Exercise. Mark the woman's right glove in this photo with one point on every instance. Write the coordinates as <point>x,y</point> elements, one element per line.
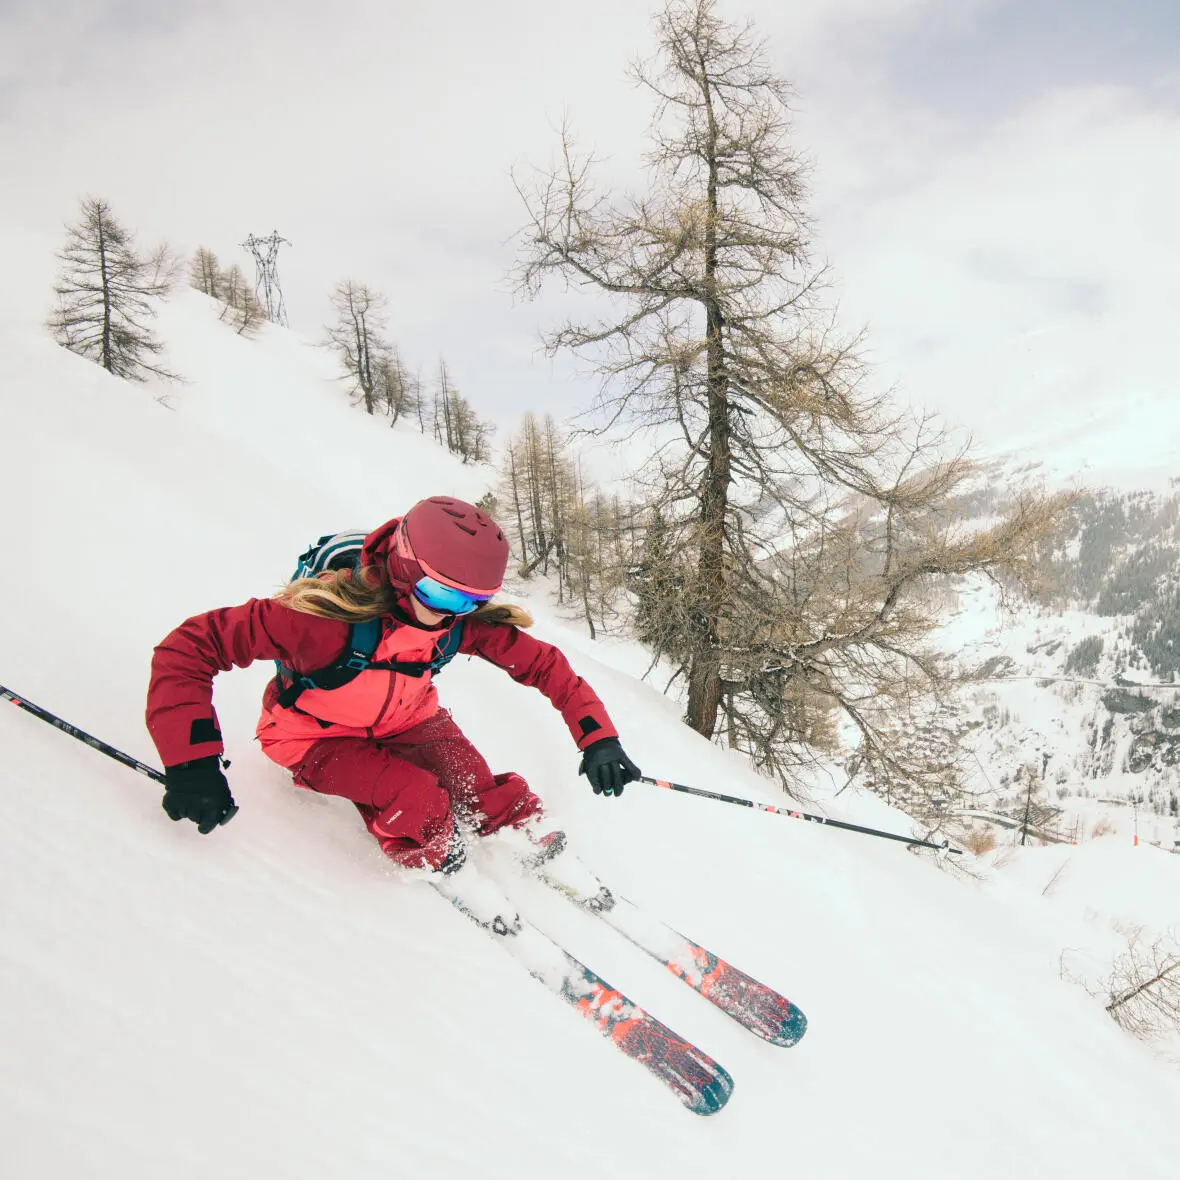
<point>197,790</point>
<point>607,767</point>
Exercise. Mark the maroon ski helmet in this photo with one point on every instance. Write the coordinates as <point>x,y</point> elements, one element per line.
<point>451,541</point>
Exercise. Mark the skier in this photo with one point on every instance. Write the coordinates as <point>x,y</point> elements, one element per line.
<point>379,738</point>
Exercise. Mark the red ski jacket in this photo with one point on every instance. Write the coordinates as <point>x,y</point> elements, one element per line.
<point>377,703</point>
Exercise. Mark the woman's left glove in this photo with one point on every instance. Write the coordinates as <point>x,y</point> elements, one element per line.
<point>607,767</point>
<point>197,790</point>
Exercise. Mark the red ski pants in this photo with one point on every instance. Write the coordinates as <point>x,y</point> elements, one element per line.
<point>408,786</point>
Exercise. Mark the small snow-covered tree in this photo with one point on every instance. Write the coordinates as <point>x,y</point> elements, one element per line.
<point>105,293</point>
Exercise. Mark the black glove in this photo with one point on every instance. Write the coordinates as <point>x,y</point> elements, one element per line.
<point>607,767</point>
<point>197,790</point>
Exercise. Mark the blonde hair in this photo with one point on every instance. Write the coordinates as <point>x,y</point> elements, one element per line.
<point>354,596</point>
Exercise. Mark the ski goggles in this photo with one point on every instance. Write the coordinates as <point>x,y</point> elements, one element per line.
<point>437,596</point>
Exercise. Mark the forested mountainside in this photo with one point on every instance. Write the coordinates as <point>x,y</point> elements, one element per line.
<point>1078,696</point>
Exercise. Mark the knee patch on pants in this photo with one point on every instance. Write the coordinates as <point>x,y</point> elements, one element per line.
<point>508,801</point>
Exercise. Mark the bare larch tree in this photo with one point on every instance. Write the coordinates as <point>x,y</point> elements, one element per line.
<point>456,424</point>
<point>358,337</point>
<point>204,273</point>
<point>558,518</point>
<point>1144,988</point>
<point>105,292</point>
<point>243,310</point>
<point>396,389</point>
<point>803,519</point>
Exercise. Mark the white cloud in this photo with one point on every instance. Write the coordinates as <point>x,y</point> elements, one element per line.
<point>1028,268</point>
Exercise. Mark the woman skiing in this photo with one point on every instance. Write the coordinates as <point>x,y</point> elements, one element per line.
<point>377,736</point>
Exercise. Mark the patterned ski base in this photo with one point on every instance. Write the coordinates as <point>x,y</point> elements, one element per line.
<point>696,1079</point>
<point>757,1007</point>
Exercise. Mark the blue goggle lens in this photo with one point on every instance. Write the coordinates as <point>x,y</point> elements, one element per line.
<point>446,599</point>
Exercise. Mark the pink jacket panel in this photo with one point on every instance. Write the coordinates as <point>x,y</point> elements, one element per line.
<point>183,723</point>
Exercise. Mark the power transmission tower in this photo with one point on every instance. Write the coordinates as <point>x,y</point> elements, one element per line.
<point>266,272</point>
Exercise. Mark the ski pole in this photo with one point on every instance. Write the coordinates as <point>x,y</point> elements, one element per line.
<point>82,736</point>
<point>793,814</point>
<point>90,740</point>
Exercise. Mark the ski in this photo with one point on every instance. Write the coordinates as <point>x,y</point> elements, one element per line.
<point>697,1080</point>
<point>761,1009</point>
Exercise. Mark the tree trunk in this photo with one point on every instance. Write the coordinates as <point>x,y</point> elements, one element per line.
<point>446,406</point>
<point>107,361</point>
<point>1027,812</point>
<point>704,678</point>
<point>363,375</point>
<point>524,550</point>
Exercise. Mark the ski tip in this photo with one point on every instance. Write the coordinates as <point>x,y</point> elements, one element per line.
<point>791,1030</point>
<point>712,1096</point>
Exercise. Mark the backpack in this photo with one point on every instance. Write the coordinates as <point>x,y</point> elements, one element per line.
<point>338,551</point>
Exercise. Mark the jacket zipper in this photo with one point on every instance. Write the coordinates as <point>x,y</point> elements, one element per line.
<point>385,703</point>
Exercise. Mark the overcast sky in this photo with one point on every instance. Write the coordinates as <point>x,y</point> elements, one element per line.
<point>995,182</point>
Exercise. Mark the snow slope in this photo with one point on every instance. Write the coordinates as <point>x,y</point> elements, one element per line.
<point>273,1000</point>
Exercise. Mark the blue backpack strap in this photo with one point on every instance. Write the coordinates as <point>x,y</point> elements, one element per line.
<point>362,643</point>
<point>363,639</point>
<point>448,649</point>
